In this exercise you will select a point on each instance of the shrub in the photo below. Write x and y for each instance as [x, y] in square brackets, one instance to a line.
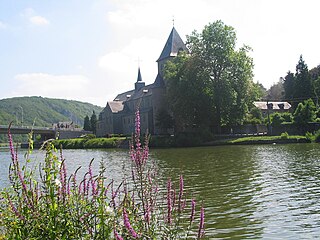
[310, 137]
[317, 136]
[284, 135]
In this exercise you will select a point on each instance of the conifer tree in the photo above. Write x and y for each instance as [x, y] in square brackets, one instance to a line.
[87, 124]
[93, 122]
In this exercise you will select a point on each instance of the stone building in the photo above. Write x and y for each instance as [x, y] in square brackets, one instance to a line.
[118, 117]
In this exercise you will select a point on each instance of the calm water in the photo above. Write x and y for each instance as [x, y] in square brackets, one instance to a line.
[249, 192]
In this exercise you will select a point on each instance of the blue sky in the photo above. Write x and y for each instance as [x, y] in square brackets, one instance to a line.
[88, 50]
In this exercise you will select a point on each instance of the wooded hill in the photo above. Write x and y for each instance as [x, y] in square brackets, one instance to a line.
[44, 111]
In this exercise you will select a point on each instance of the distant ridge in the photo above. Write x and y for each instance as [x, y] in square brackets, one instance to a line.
[44, 111]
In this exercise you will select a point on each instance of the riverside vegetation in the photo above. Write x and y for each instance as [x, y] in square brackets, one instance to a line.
[62, 206]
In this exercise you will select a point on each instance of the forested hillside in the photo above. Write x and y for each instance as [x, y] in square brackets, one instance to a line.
[44, 111]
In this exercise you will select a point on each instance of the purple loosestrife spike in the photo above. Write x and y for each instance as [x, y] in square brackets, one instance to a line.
[93, 183]
[193, 210]
[201, 225]
[128, 225]
[14, 209]
[181, 193]
[169, 201]
[117, 236]
[13, 156]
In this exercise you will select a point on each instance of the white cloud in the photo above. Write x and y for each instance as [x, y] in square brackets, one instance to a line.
[35, 19]
[57, 86]
[39, 20]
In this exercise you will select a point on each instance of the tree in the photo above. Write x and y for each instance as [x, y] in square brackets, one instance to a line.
[288, 85]
[93, 122]
[305, 112]
[187, 93]
[87, 124]
[303, 84]
[276, 91]
[223, 73]
[164, 120]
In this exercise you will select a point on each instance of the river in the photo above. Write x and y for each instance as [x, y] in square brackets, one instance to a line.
[249, 192]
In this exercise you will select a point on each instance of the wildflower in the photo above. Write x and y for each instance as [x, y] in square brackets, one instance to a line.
[128, 225]
[181, 193]
[117, 236]
[169, 201]
[201, 225]
[193, 209]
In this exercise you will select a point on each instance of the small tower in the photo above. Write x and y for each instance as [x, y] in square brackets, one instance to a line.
[139, 84]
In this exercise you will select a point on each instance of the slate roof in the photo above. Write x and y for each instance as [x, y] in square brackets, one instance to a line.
[115, 106]
[275, 105]
[173, 45]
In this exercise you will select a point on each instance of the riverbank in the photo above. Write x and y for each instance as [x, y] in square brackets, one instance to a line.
[83, 143]
[171, 141]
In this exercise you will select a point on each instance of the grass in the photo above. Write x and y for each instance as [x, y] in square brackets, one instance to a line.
[79, 143]
[267, 139]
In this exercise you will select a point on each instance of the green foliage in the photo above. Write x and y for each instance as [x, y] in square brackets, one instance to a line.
[86, 123]
[254, 116]
[164, 120]
[276, 119]
[88, 142]
[284, 135]
[317, 136]
[93, 122]
[287, 117]
[299, 86]
[267, 139]
[310, 137]
[43, 111]
[305, 112]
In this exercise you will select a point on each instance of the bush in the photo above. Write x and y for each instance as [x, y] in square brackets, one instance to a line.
[284, 135]
[310, 137]
[317, 136]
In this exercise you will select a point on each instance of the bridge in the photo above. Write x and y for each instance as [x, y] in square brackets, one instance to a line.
[44, 132]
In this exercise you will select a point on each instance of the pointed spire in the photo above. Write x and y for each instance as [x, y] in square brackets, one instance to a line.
[139, 79]
[173, 45]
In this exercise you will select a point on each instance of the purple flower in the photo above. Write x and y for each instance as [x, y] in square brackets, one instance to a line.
[93, 183]
[181, 193]
[193, 210]
[169, 201]
[117, 236]
[128, 225]
[201, 225]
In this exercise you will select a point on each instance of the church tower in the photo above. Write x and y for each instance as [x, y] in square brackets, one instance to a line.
[171, 49]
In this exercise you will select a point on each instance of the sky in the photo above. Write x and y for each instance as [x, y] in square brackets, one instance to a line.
[90, 50]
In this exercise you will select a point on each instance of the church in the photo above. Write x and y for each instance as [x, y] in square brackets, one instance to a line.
[118, 117]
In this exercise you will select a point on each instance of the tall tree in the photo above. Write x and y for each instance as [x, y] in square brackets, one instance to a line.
[276, 91]
[187, 92]
[93, 122]
[226, 71]
[288, 85]
[303, 85]
[87, 124]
